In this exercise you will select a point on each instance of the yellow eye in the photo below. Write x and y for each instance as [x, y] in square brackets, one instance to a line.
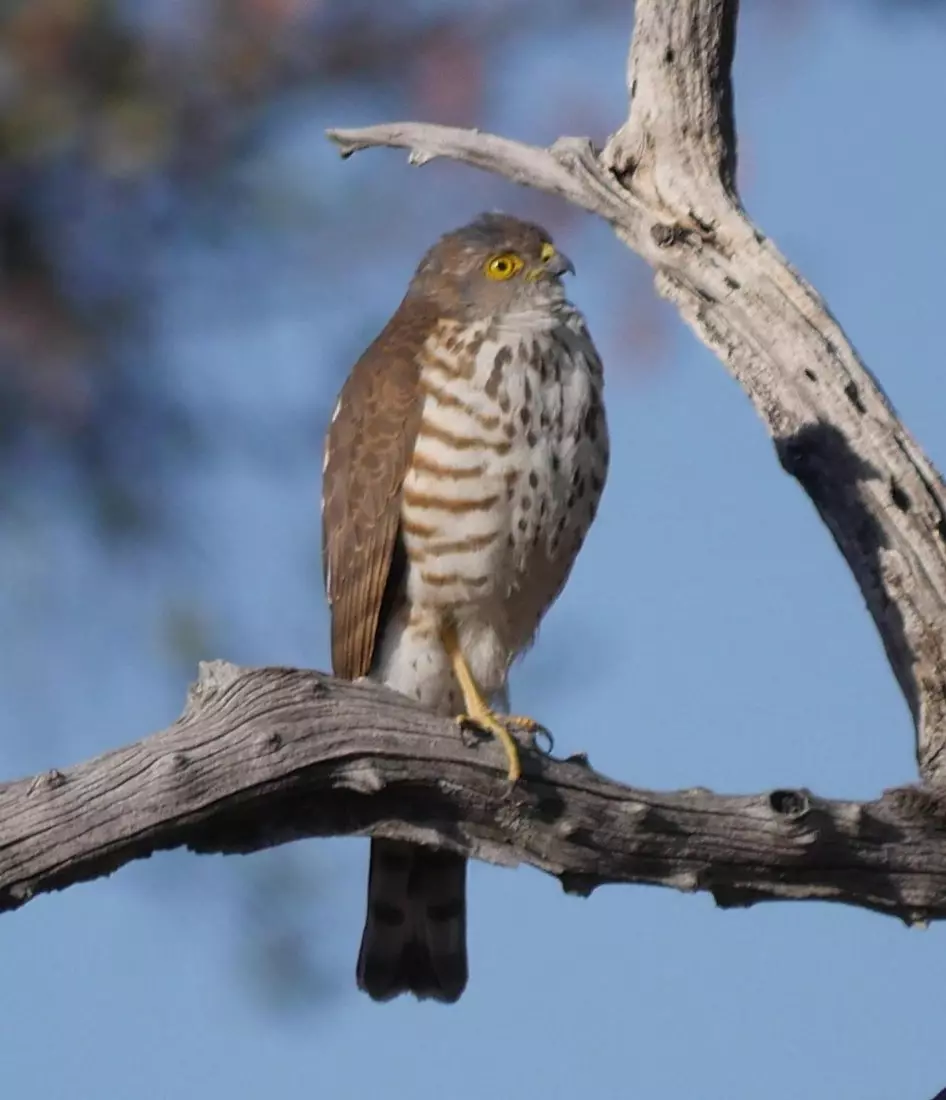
[503, 266]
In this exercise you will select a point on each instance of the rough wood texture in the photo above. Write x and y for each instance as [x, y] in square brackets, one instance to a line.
[263, 756]
[665, 182]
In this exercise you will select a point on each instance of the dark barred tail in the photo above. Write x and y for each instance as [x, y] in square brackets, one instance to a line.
[415, 931]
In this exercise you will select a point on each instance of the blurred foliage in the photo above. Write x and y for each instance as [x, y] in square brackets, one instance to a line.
[282, 951]
[118, 118]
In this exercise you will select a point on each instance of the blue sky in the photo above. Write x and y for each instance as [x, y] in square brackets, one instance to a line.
[711, 635]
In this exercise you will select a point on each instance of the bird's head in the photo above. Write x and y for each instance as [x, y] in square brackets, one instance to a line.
[496, 266]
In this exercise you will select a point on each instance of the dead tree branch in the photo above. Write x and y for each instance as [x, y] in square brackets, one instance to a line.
[265, 756]
[666, 183]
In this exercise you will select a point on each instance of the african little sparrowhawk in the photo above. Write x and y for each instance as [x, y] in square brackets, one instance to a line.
[463, 467]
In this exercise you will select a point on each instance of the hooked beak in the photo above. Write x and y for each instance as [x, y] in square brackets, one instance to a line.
[559, 264]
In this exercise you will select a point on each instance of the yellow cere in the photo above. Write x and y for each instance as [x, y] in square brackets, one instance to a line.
[547, 253]
[504, 266]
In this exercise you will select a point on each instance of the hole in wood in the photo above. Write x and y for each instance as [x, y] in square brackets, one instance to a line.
[791, 804]
[899, 496]
[853, 395]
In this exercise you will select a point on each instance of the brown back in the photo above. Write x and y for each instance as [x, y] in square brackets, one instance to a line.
[367, 452]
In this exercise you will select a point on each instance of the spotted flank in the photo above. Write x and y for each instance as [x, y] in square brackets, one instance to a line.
[503, 484]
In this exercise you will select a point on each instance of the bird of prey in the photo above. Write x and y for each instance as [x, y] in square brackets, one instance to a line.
[463, 468]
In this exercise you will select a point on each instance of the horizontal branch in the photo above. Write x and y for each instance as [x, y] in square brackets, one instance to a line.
[265, 756]
[665, 182]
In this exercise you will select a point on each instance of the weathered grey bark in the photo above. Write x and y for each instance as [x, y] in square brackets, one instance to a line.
[665, 182]
[264, 756]
[268, 755]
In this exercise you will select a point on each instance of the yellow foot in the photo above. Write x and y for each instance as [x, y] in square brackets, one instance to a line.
[530, 728]
[499, 726]
[480, 714]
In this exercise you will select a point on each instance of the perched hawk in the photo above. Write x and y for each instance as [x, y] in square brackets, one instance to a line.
[463, 468]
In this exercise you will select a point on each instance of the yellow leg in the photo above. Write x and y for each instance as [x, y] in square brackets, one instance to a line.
[478, 711]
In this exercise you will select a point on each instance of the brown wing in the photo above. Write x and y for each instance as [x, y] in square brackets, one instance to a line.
[367, 451]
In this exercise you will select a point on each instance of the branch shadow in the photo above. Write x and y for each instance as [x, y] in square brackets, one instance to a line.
[823, 462]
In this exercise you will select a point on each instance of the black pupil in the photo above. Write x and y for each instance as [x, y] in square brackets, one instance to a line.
[502, 265]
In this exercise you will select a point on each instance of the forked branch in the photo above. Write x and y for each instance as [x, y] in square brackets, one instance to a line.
[666, 183]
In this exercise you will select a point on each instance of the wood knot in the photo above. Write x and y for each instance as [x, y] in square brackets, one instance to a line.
[578, 884]
[917, 918]
[792, 805]
[173, 763]
[665, 236]
[270, 742]
[48, 781]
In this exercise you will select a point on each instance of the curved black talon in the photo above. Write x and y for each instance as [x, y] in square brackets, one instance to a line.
[541, 731]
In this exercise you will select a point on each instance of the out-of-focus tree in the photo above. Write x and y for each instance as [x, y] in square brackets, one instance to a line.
[120, 119]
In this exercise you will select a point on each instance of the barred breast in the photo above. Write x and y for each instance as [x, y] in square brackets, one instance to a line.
[507, 471]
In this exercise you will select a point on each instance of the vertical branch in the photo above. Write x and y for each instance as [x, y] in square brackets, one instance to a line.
[680, 129]
[666, 183]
